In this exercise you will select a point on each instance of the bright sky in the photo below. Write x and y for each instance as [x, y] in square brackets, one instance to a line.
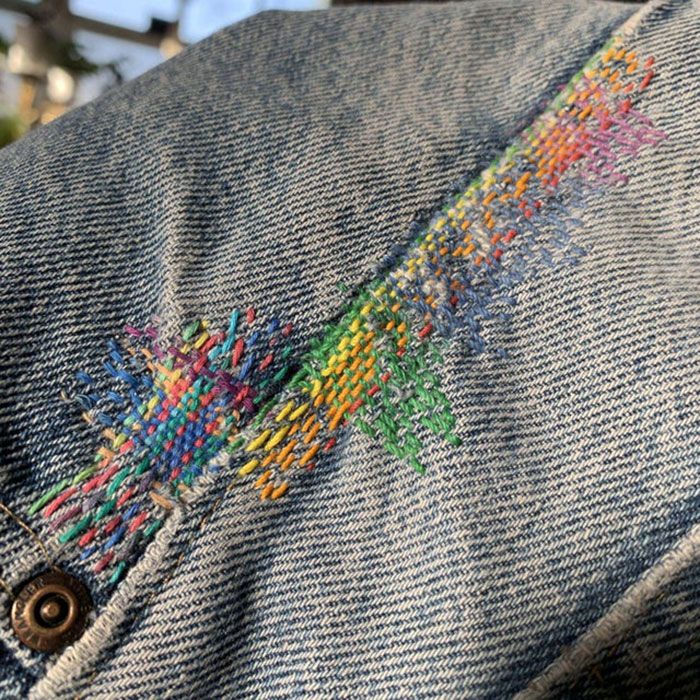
[200, 17]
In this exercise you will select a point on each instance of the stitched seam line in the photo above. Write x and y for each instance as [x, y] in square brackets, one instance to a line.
[611, 628]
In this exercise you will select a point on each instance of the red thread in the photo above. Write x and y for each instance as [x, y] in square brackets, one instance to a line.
[59, 501]
[426, 330]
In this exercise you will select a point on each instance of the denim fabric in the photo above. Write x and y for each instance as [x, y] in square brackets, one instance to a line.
[660, 656]
[264, 166]
[644, 645]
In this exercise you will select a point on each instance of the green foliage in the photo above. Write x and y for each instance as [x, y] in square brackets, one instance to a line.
[11, 128]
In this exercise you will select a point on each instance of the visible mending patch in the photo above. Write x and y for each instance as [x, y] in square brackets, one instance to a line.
[192, 404]
[176, 402]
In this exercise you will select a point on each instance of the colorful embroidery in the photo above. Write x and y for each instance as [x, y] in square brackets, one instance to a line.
[188, 404]
[376, 368]
[175, 404]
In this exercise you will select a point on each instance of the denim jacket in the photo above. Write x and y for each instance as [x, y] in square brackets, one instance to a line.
[355, 353]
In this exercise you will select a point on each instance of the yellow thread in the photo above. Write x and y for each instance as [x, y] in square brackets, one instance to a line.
[357, 338]
[201, 340]
[248, 467]
[299, 411]
[277, 438]
[259, 441]
[283, 413]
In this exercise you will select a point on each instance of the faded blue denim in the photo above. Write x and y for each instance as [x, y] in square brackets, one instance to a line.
[264, 166]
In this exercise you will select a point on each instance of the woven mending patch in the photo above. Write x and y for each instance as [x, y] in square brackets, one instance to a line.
[211, 399]
[377, 367]
[174, 403]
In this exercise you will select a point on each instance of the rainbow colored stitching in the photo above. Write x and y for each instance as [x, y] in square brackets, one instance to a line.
[375, 367]
[194, 400]
[176, 403]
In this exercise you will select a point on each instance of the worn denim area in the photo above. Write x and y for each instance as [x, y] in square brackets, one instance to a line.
[266, 165]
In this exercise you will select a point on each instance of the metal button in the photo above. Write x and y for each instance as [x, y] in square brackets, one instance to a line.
[51, 611]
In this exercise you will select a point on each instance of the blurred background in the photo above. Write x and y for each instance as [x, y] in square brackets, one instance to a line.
[58, 54]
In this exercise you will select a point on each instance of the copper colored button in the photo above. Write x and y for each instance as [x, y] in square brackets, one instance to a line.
[51, 611]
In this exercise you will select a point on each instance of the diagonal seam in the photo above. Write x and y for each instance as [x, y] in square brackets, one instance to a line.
[620, 618]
